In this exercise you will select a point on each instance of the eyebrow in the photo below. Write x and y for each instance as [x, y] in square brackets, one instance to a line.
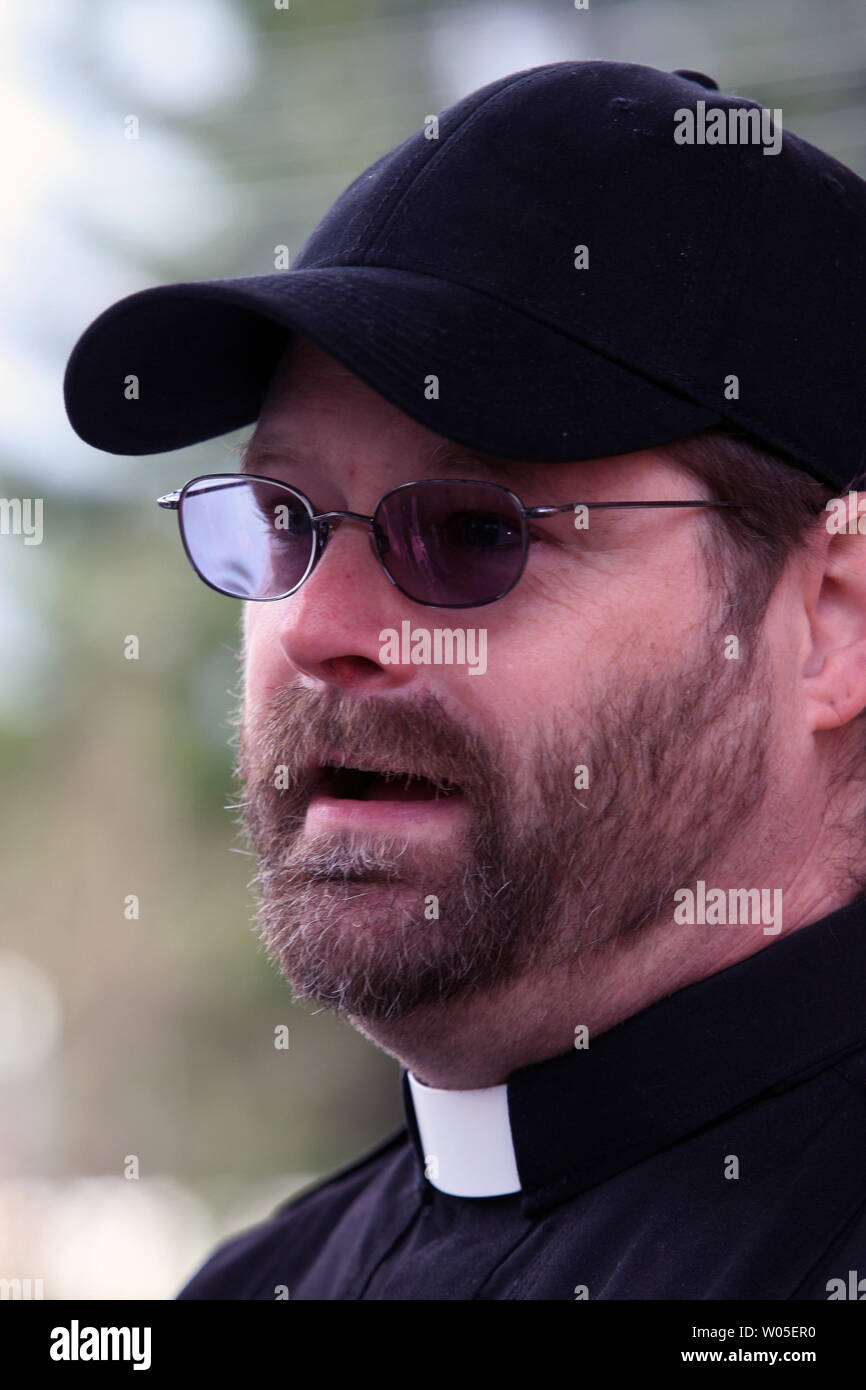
[283, 453]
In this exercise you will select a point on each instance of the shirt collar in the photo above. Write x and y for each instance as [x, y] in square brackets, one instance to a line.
[572, 1121]
[465, 1139]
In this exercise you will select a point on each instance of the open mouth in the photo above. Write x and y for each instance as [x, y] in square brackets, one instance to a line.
[361, 784]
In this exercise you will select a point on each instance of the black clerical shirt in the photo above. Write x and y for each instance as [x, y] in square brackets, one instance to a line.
[625, 1151]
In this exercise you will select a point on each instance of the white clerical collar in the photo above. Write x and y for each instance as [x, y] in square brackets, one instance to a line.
[466, 1140]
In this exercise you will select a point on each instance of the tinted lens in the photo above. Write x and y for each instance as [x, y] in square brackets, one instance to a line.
[457, 544]
[246, 536]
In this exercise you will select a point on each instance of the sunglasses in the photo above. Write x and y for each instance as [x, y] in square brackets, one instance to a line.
[443, 542]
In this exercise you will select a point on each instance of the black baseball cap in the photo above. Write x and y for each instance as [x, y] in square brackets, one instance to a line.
[551, 275]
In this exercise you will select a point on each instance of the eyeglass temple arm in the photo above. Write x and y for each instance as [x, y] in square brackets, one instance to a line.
[171, 501]
[593, 506]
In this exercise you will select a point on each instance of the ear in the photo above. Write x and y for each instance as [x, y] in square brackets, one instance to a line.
[835, 669]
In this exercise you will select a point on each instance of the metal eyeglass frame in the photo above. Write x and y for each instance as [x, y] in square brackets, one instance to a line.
[323, 527]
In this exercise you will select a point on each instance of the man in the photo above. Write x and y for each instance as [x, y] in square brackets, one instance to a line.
[553, 777]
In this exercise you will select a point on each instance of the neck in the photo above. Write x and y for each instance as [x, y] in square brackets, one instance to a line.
[478, 1042]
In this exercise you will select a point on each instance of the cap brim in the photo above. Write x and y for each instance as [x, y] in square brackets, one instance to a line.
[203, 353]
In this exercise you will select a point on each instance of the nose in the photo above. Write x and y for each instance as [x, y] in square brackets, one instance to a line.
[331, 630]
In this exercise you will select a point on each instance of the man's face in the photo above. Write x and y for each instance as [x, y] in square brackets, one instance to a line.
[609, 654]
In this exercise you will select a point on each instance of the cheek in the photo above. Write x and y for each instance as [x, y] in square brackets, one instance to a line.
[265, 668]
[542, 651]
[576, 624]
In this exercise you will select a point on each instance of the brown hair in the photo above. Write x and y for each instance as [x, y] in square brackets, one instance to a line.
[748, 546]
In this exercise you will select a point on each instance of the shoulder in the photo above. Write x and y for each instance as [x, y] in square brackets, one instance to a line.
[241, 1268]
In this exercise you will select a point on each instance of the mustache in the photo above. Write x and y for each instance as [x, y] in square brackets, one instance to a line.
[301, 730]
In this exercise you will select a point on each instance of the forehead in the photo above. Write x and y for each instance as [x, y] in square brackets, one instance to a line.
[270, 449]
[312, 397]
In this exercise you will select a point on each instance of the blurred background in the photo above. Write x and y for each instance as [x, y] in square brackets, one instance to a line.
[145, 1113]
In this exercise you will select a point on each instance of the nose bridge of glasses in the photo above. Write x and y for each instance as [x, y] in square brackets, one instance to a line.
[342, 516]
[326, 523]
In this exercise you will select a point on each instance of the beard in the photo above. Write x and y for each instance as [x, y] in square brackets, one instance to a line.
[378, 926]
